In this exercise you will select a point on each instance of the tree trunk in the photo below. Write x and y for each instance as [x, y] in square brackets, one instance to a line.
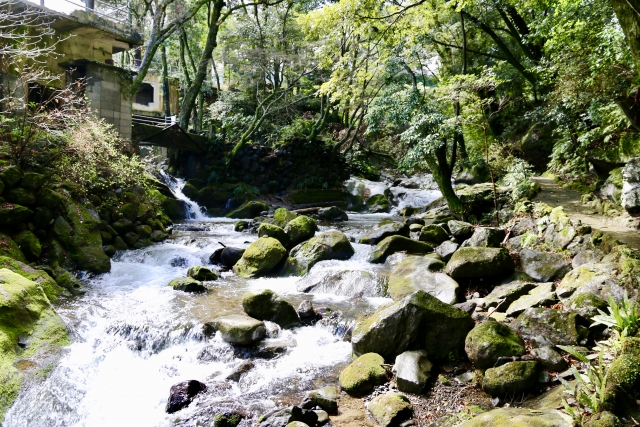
[165, 83]
[628, 13]
[442, 175]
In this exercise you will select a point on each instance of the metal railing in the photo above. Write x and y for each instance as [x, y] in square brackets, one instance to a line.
[155, 121]
[119, 15]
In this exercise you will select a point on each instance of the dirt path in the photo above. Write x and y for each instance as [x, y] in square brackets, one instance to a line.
[554, 195]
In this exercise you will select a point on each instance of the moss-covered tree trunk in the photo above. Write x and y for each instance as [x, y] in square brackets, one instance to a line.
[628, 13]
[441, 171]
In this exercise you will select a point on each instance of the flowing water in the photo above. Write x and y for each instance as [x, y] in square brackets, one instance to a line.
[133, 337]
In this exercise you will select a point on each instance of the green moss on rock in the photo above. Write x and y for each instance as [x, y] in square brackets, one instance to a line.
[282, 217]
[270, 230]
[300, 229]
[363, 374]
[10, 248]
[29, 244]
[393, 244]
[249, 210]
[478, 262]
[511, 378]
[491, 340]
[267, 305]
[201, 273]
[390, 409]
[520, 417]
[260, 258]
[13, 214]
[324, 246]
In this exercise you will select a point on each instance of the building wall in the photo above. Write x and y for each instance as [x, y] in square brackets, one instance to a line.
[104, 94]
[156, 109]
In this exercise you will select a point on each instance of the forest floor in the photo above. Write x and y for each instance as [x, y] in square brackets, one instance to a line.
[555, 195]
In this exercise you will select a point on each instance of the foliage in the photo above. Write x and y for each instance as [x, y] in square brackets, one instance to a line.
[625, 318]
[244, 193]
[518, 175]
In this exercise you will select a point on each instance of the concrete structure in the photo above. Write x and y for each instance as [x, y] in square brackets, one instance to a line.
[149, 101]
[87, 43]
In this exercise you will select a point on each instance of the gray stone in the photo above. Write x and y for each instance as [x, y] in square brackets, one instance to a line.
[587, 305]
[383, 230]
[393, 244]
[292, 414]
[325, 398]
[491, 340]
[586, 257]
[541, 295]
[460, 230]
[543, 266]
[187, 284]
[547, 326]
[564, 237]
[630, 196]
[477, 263]
[332, 213]
[237, 329]
[412, 370]
[512, 378]
[506, 294]
[446, 250]
[324, 246]
[549, 358]
[433, 234]
[486, 237]
[520, 417]
[390, 409]
[417, 273]
[267, 305]
[591, 278]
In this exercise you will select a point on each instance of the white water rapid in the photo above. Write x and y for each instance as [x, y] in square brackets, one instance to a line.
[194, 211]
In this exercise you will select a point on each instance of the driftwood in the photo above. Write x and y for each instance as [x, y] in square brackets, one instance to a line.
[305, 211]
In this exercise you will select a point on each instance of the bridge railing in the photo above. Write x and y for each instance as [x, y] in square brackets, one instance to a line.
[155, 121]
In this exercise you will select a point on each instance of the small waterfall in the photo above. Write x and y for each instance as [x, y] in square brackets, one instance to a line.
[194, 210]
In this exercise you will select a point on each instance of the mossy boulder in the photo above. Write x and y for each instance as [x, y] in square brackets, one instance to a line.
[378, 203]
[486, 237]
[267, 305]
[12, 214]
[20, 196]
[29, 244]
[282, 217]
[249, 210]
[512, 378]
[50, 198]
[260, 258]
[187, 284]
[480, 263]
[433, 233]
[85, 244]
[237, 329]
[131, 238]
[29, 327]
[174, 208]
[623, 376]
[300, 229]
[10, 175]
[363, 374]
[50, 286]
[520, 417]
[122, 226]
[384, 229]
[242, 225]
[543, 266]
[32, 180]
[547, 326]
[325, 397]
[324, 246]
[491, 340]
[270, 230]
[390, 409]
[144, 231]
[603, 419]
[419, 321]
[416, 273]
[10, 249]
[129, 211]
[201, 273]
[157, 236]
[393, 244]
[587, 305]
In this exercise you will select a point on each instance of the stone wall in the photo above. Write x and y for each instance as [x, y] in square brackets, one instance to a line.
[104, 94]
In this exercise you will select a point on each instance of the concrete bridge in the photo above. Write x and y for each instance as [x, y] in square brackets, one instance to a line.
[161, 133]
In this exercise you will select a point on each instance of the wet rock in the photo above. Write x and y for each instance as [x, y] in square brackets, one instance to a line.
[325, 398]
[332, 213]
[230, 256]
[418, 273]
[282, 217]
[267, 305]
[460, 230]
[227, 419]
[324, 246]
[323, 417]
[158, 236]
[363, 374]
[489, 341]
[240, 225]
[390, 409]
[182, 394]
[520, 417]
[120, 244]
[187, 284]
[248, 210]
[549, 358]
[201, 273]
[300, 229]
[543, 266]
[351, 283]
[378, 203]
[109, 250]
[270, 230]
[383, 230]
[307, 314]
[131, 238]
[511, 378]
[412, 370]
[446, 250]
[419, 321]
[122, 226]
[260, 258]
[393, 244]
[237, 329]
[541, 295]
[476, 263]
[485, 237]
[283, 417]
[546, 326]
[433, 234]
[244, 367]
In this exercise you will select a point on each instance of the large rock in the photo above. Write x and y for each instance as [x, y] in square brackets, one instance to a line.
[506, 294]
[182, 394]
[363, 374]
[588, 277]
[630, 196]
[390, 409]
[267, 305]
[187, 284]
[324, 246]
[29, 244]
[416, 273]
[520, 417]
[383, 230]
[84, 245]
[282, 217]
[541, 295]
[549, 358]
[249, 210]
[260, 258]
[623, 375]
[10, 175]
[332, 213]
[33, 180]
[325, 397]
[486, 237]
[419, 321]
[12, 214]
[480, 263]
[433, 233]
[412, 370]
[460, 230]
[229, 256]
[300, 229]
[393, 244]
[547, 326]
[293, 414]
[20, 196]
[270, 230]
[512, 378]
[446, 250]
[237, 329]
[491, 340]
[543, 266]
[201, 273]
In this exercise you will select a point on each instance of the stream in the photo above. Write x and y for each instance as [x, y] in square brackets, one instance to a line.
[133, 337]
